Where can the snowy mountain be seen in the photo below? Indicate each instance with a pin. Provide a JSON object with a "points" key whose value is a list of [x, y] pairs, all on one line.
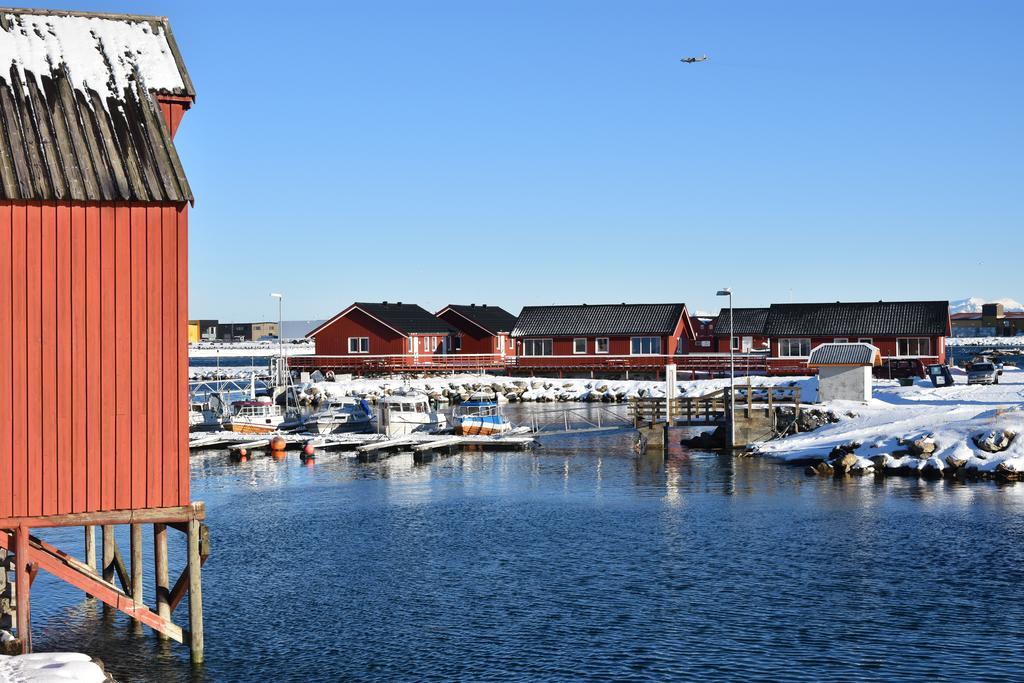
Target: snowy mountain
{"points": [[973, 305]]}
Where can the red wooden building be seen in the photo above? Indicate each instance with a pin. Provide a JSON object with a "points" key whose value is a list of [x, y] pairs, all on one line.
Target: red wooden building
{"points": [[386, 337], [483, 331], [600, 339], [747, 330], [901, 330], [93, 298]]}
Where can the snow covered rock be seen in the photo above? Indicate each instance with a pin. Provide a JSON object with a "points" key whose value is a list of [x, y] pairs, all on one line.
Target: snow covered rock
{"points": [[994, 440]]}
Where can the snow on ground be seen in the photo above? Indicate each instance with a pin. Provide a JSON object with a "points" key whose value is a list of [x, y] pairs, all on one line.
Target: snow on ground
{"points": [[952, 416], [540, 388], [50, 667], [988, 342], [243, 349]]}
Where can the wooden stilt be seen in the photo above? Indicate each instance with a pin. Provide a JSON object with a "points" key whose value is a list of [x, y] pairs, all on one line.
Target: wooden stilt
{"points": [[195, 593], [90, 546], [108, 556], [136, 568], [23, 586], [163, 608]]}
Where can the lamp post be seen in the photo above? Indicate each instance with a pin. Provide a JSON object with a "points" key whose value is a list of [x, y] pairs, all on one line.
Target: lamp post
{"points": [[280, 336], [727, 291]]}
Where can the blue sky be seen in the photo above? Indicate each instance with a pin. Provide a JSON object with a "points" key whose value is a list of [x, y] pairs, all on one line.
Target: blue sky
{"points": [[527, 152]]}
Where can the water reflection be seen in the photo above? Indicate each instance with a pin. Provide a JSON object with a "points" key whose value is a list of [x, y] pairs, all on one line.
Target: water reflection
{"points": [[578, 559]]}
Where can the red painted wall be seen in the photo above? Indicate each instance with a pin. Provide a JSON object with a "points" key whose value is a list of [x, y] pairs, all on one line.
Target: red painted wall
{"points": [[332, 339], [476, 340], [93, 357], [722, 343]]}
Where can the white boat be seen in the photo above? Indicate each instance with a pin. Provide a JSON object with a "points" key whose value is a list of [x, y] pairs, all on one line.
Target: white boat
{"points": [[340, 416], [254, 416], [479, 418], [207, 415], [410, 414]]}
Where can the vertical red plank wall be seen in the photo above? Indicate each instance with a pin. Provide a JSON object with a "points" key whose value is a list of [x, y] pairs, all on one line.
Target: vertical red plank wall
{"points": [[93, 315]]}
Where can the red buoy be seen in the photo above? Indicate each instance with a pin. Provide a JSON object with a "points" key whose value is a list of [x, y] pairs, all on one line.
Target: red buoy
{"points": [[242, 452], [309, 450], [243, 458]]}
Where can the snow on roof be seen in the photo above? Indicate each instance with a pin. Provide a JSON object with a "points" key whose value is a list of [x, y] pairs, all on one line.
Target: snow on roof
{"points": [[102, 52]]}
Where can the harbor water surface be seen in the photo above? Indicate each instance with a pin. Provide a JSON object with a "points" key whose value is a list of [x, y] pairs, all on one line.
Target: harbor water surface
{"points": [[578, 560]]}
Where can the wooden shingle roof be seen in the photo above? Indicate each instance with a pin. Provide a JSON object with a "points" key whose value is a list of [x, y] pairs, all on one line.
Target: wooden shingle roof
{"points": [[876, 318], [598, 319], [79, 118]]}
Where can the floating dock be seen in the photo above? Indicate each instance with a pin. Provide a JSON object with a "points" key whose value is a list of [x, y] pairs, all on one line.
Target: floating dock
{"points": [[363, 445]]}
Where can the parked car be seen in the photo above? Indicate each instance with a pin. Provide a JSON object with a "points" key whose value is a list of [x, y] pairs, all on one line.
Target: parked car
{"points": [[900, 368], [984, 372]]}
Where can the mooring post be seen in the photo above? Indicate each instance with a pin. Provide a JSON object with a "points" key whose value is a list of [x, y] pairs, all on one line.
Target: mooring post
{"points": [[23, 586], [136, 568], [195, 593], [90, 547], [163, 589]]}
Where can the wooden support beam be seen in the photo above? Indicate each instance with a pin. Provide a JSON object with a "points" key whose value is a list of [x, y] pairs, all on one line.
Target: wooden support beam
{"points": [[183, 513], [108, 553], [122, 570], [163, 605], [23, 586], [136, 566], [195, 592], [73, 573], [181, 585], [90, 546]]}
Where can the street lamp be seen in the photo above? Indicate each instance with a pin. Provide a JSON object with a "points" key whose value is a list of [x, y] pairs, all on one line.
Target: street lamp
{"points": [[727, 291], [280, 335]]}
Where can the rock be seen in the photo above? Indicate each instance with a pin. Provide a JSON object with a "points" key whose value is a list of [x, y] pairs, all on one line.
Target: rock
{"points": [[843, 464], [955, 463], [994, 441], [824, 469], [810, 471], [923, 446], [843, 449]]}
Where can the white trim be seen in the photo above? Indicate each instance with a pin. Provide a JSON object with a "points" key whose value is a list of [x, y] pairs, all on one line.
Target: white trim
{"points": [[919, 354], [641, 353], [358, 350], [549, 340], [585, 344], [607, 345], [778, 345]]}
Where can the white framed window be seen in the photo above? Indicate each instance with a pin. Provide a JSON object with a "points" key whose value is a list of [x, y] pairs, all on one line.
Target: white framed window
{"points": [[358, 344], [601, 345], [913, 346], [537, 347], [735, 343], [501, 343], [579, 345], [412, 344], [645, 346], [866, 340], [794, 347], [841, 340]]}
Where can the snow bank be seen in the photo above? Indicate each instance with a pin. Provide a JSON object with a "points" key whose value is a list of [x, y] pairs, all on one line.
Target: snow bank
{"points": [[51, 667], [923, 428], [460, 387]]}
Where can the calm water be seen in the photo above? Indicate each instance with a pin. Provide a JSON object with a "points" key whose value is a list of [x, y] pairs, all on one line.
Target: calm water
{"points": [[579, 560]]}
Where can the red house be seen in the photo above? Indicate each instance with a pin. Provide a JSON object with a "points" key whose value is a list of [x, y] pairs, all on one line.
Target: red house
{"points": [[483, 331], [93, 302], [747, 330], [380, 337], [607, 339], [901, 330]]}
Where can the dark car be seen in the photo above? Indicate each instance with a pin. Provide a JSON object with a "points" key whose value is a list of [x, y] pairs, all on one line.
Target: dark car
{"points": [[900, 368]]}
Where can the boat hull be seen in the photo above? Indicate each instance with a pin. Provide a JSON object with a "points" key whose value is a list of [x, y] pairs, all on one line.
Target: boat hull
{"points": [[242, 428], [488, 425]]}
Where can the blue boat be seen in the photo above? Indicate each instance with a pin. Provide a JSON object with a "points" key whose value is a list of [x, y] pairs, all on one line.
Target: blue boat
{"points": [[483, 418]]}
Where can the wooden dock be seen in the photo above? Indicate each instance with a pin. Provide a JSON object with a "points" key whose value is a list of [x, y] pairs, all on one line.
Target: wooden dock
{"points": [[362, 445]]}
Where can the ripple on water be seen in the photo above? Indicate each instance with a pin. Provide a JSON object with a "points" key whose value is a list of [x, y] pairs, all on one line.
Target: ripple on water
{"points": [[579, 560]]}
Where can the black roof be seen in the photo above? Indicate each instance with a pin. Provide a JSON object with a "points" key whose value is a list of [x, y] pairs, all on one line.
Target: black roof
{"points": [[407, 318], [746, 321], [599, 319], [493, 319], [89, 143], [877, 318], [843, 354]]}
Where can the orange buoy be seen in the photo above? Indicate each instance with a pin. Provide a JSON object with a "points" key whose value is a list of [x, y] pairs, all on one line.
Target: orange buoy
{"points": [[243, 458], [309, 461], [309, 450], [278, 443], [242, 452]]}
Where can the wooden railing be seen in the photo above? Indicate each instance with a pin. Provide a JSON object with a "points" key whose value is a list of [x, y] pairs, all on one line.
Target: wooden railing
{"points": [[713, 408]]}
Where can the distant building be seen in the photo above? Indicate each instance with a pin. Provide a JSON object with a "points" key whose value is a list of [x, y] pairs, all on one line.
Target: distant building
{"points": [[265, 330], [912, 330], [202, 330], [991, 321], [381, 337], [602, 338], [482, 330], [747, 329]]}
